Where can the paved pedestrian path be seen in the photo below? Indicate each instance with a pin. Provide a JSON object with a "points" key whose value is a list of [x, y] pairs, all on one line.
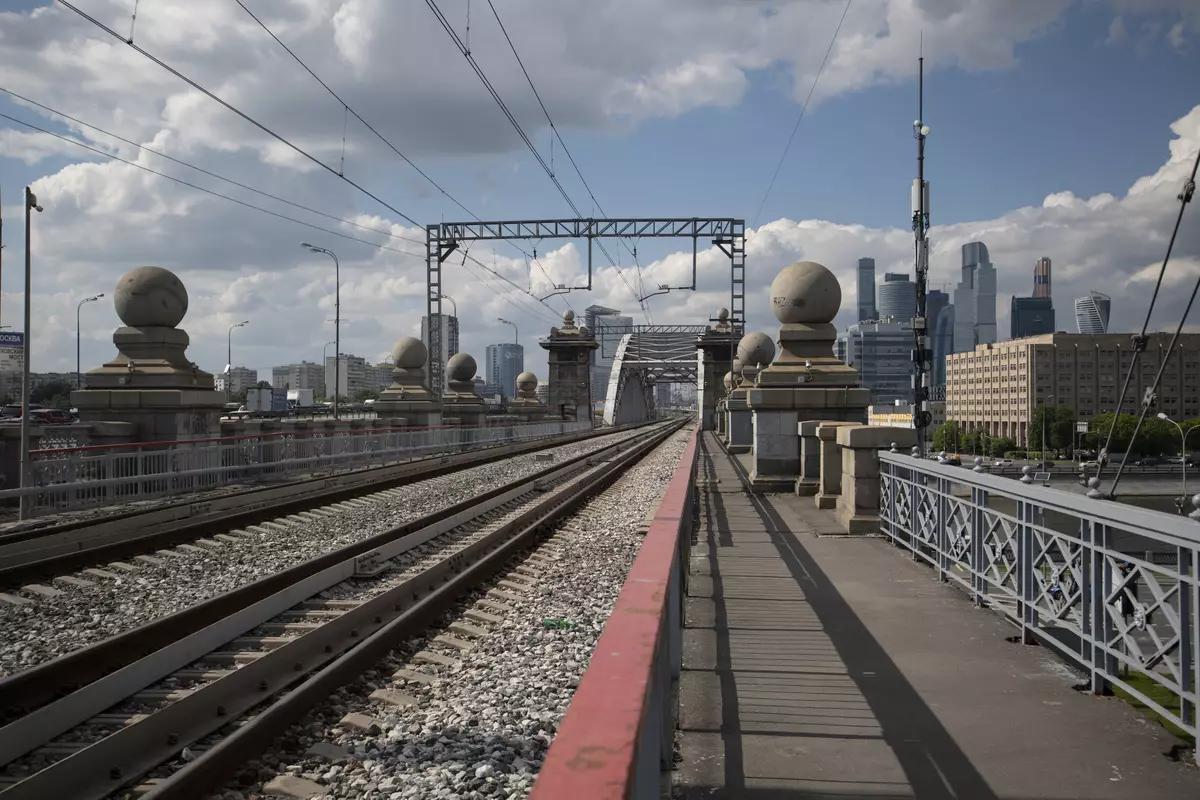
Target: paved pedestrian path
{"points": [[819, 666]]}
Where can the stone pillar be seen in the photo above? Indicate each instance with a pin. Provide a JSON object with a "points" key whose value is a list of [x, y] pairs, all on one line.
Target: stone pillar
{"points": [[829, 486], [741, 420], [408, 400], [808, 483], [459, 401], [569, 363], [151, 383], [805, 380], [525, 407], [714, 354], [858, 503]]}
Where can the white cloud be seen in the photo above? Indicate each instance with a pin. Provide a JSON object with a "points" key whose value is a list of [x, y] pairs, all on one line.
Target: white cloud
{"points": [[598, 65]]}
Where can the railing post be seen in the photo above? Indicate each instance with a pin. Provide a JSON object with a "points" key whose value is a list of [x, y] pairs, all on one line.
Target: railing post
{"points": [[1189, 601], [1025, 560], [979, 503], [1102, 663]]}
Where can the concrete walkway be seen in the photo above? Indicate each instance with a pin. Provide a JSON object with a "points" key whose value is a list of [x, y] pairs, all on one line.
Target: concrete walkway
{"points": [[820, 666]]}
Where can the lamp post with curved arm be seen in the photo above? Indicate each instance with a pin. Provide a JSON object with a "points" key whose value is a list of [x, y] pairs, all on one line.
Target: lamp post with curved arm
{"points": [[1181, 501], [229, 355], [78, 308], [337, 319]]}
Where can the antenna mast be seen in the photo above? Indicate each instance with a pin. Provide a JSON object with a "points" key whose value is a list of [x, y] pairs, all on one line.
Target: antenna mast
{"points": [[921, 354]]}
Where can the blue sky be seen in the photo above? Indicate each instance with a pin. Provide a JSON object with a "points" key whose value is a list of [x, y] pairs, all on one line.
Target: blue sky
{"points": [[1073, 113]]}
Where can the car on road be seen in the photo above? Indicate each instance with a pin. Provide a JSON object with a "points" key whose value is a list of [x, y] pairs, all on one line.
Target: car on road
{"points": [[1003, 462]]}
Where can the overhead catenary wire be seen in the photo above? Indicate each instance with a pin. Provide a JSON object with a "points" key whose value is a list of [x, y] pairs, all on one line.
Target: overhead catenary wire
{"points": [[462, 48], [1184, 197], [189, 184], [800, 118], [349, 110], [204, 171], [211, 95]]}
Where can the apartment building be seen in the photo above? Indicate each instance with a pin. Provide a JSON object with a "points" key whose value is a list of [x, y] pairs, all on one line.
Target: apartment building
{"points": [[997, 386]]}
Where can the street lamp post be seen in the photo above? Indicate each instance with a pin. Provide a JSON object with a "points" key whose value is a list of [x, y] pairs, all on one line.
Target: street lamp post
{"points": [[337, 319], [1044, 407], [453, 305], [1182, 500], [31, 205], [229, 355], [324, 360], [78, 334], [516, 341]]}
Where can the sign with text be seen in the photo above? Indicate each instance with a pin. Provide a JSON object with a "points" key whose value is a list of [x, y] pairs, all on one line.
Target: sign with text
{"points": [[12, 351]]}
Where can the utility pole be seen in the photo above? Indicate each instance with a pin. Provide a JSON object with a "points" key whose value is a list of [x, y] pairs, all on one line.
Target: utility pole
{"points": [[921, 354], [31, 205]]}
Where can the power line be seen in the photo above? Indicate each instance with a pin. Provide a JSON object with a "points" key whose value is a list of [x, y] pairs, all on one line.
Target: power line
{"points": [[803, 108], [237, 111], [204, 171], [127, 162], [350, 110]]}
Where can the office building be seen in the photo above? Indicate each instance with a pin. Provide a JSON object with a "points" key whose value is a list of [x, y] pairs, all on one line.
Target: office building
{"points": [[449, 338], [996, 387], [935, 301], [1030, 316], [305, 375], [975, 299], [866, 290], [1092, 312], [381, 375], [241, 379], [882, 354], [897, 298], [504, 362], [942, 344], [1041, 278], [608, 326], [353, 374]]}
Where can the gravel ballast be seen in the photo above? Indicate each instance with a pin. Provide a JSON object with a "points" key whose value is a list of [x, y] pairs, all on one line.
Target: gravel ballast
{"points": [[481, 725], [119, 600]]}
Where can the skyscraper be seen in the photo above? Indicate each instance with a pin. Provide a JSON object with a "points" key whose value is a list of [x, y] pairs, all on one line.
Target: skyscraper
{"points": [[866, 289], [943, 344], [935, 301], [975, 299], [504, 362], [608, 326], [897, 297], [1031, 316], [1041, 278], [1091, 312]]}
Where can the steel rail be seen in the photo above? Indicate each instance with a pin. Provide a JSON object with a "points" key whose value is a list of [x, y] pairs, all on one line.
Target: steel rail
{"points": [[73, 546], [23, 692], [218, 764], [104, 766]]}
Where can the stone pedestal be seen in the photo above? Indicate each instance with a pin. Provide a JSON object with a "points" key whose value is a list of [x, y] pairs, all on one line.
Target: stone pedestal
{"points": [[741, 423], [459, 401], [151, 383], [809, 481], [408, 398], [525, 407], [858, 503], [829, 485], [805, 381], [569, 359], [722, 417], [714, 360]]}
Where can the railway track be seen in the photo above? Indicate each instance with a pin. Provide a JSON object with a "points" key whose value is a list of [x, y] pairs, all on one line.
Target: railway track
{"points": [[278, 647], [39, 553]]}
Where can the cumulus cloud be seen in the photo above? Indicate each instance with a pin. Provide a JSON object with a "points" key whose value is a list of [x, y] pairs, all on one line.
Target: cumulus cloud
{"points": [[599, 66]]}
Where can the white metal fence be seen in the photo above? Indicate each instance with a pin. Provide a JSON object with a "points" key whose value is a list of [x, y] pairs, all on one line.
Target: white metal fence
{"points": [[1113, 588], [72, 478]]}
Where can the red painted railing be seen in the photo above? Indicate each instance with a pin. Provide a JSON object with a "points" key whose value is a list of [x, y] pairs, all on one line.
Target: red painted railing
{"points": [[617, 735]]}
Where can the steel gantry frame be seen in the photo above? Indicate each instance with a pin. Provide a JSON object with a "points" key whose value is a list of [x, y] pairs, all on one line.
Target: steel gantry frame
{"points": [[442, 239]]}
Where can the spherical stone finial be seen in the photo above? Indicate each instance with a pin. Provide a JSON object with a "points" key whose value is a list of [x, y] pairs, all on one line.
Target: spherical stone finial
{"points": [[410, 353], [737, 367], [527, 382], [723, 315], [568, 317], [805, 292], [461, 367], [728, 380], [150, 297], [756, 349]]}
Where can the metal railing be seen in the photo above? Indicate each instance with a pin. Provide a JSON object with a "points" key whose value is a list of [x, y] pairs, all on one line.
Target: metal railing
{"points": [[1113, 588], [72, 478], [618, 734]]}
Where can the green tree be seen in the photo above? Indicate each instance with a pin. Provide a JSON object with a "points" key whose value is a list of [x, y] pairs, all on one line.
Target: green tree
{"points": [[1059, 425], [264, 385], [237, 397], [945, 437], [366, 394], [55, 394], [1002, 444]]}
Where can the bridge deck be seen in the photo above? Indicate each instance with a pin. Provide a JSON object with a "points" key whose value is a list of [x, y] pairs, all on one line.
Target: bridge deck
{"points": [[823, 667]]}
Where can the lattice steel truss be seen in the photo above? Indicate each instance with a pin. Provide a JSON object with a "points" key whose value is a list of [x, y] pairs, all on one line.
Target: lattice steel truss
{"points": [[648, 356], [443, 238]]}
